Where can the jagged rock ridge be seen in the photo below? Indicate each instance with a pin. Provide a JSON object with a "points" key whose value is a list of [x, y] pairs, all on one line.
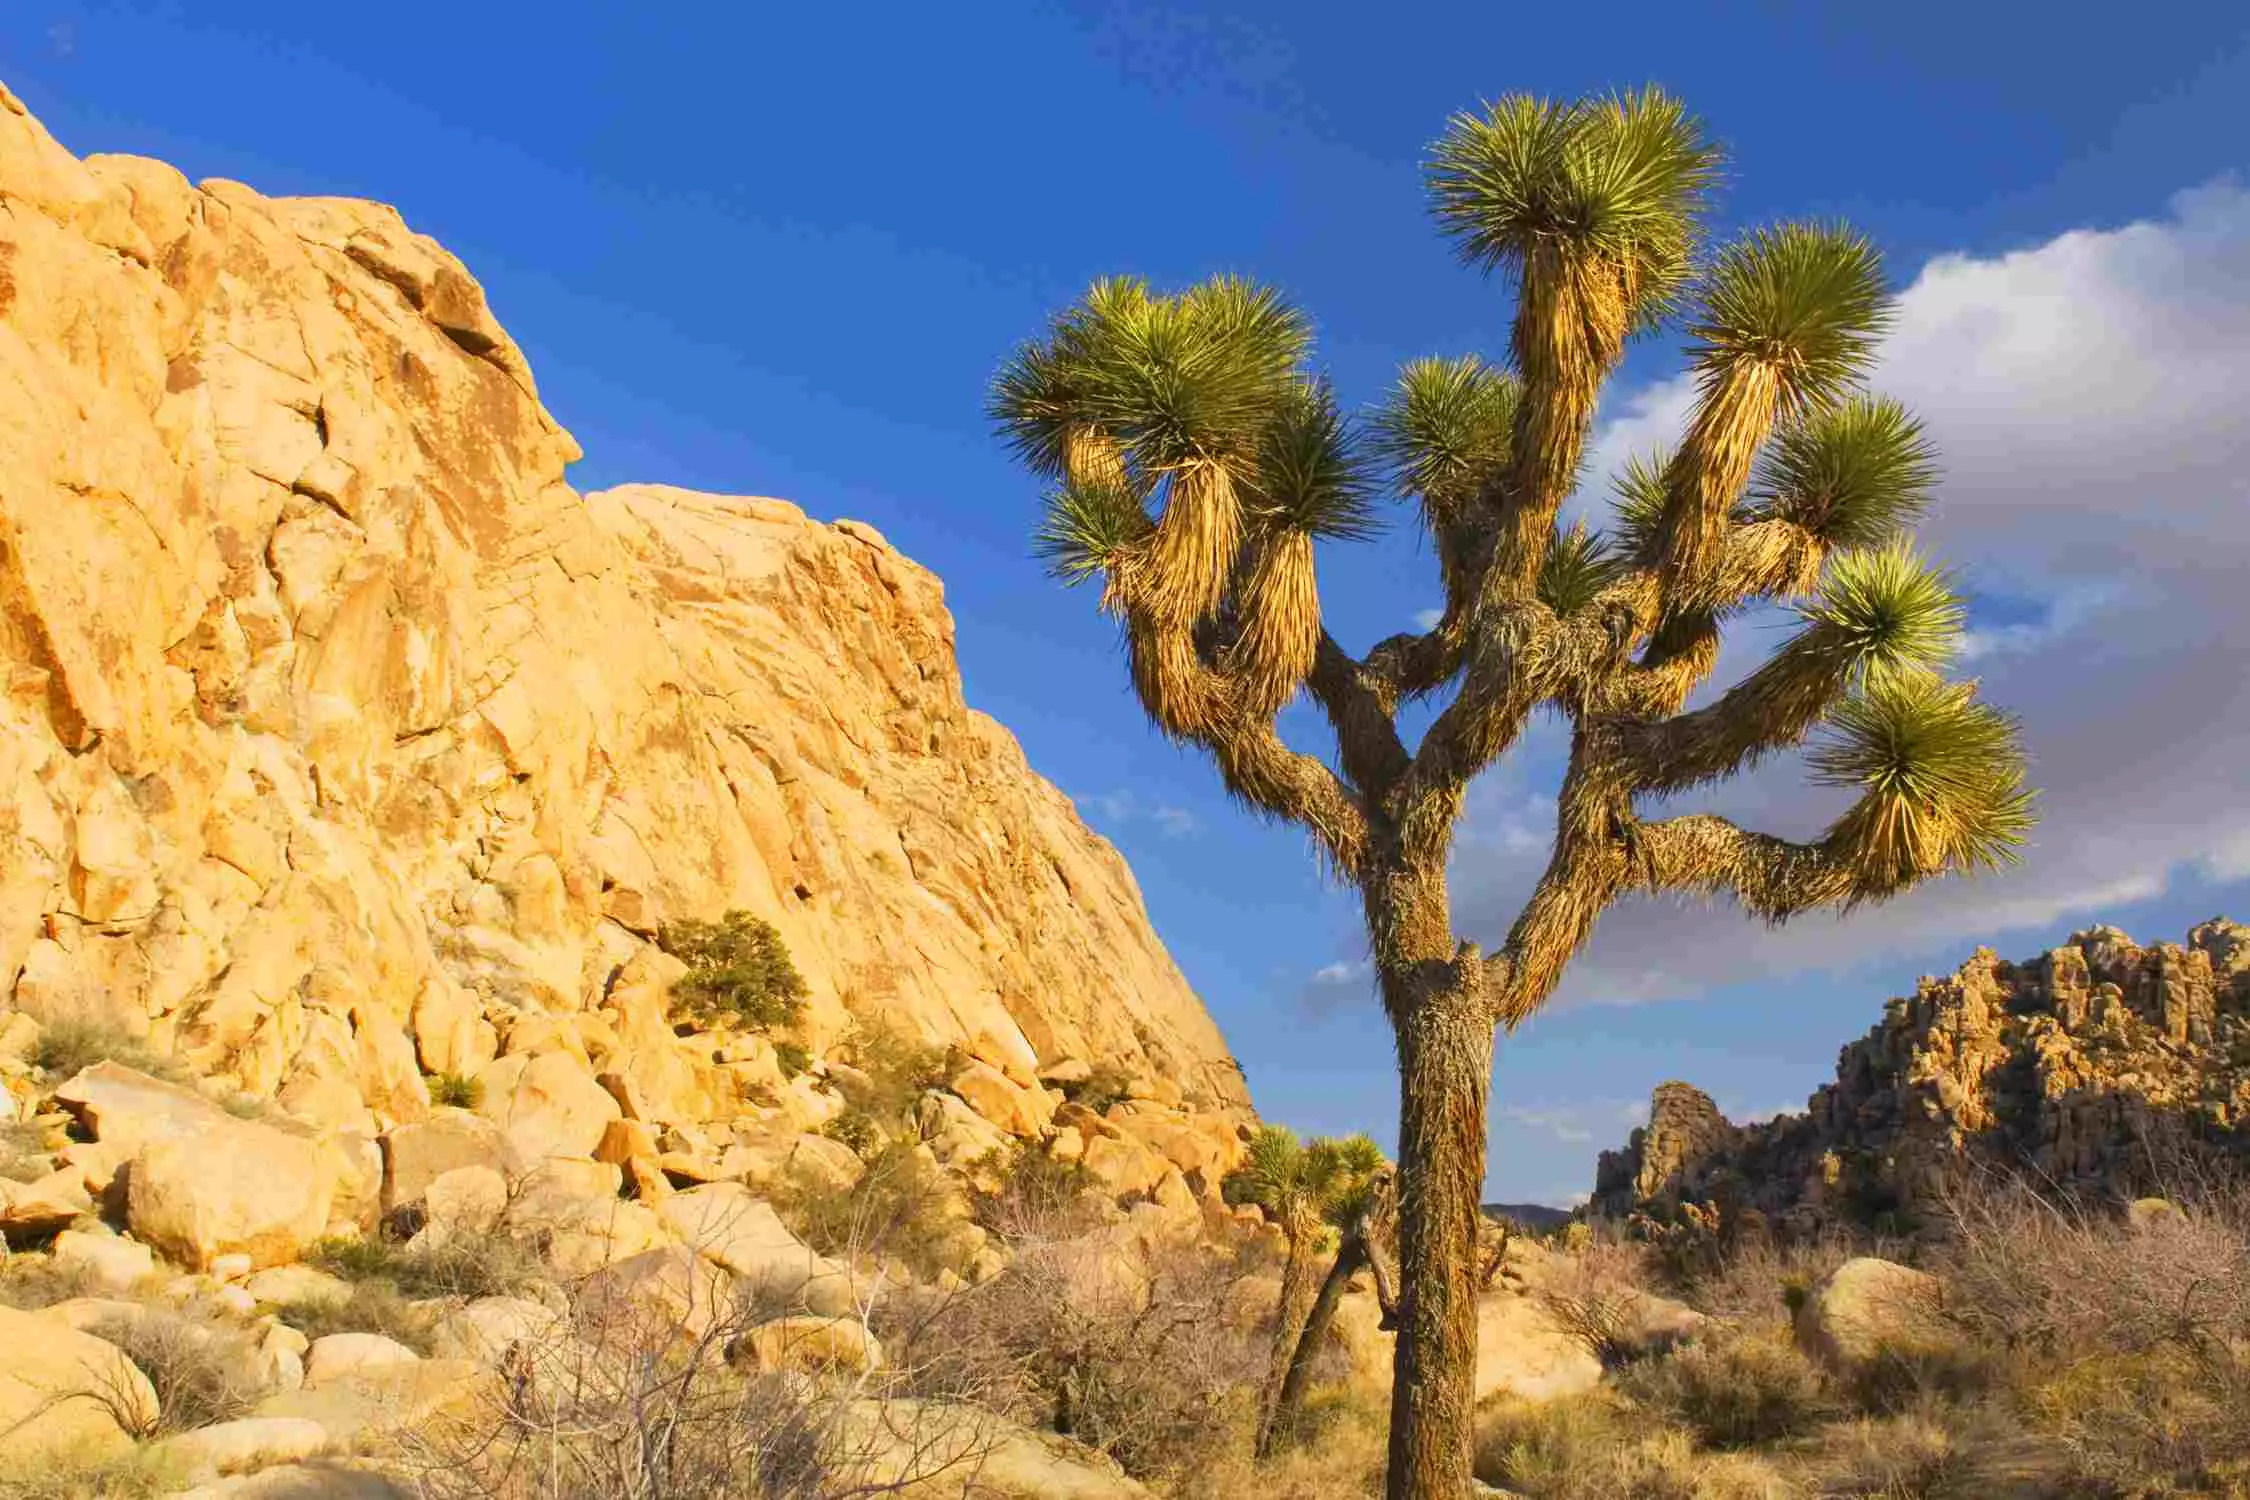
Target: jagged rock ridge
{"points": [[2101, 1068], [339, 734]]}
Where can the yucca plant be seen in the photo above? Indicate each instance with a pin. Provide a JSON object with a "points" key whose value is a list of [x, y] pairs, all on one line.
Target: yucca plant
{"points": [[1196, 457]]}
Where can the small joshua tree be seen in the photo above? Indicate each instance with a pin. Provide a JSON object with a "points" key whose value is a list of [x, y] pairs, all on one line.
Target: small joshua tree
{"points": [[1302, 1184], [1196, 457]]}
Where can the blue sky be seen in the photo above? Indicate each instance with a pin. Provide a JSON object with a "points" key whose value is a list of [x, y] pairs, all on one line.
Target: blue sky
{"points": [[778, 250]]}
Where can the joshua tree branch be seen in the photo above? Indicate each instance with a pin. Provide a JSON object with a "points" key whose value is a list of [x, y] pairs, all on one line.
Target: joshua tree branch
{"points": [[1193, 702], [1773, 878], [1360, 710]]}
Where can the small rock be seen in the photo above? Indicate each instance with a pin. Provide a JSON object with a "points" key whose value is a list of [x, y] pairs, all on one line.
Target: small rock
{"points": [[807, 1345], [108, 1261], [342, 1354]]}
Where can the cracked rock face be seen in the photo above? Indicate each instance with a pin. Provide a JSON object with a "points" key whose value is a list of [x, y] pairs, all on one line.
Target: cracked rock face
{"points": [[339, 733], [2102, 1068]]}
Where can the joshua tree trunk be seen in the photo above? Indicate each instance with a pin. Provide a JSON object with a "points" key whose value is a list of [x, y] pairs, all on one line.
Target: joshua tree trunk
{"points": [[1351, 1254], [1288, 1328], [1445, 1076]]}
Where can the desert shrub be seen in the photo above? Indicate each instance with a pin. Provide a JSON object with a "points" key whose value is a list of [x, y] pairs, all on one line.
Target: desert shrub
{"points": [[738, 972], [893, 1071], [74, 1039], [457, 1090], [2155, 1422], [199, 1366], [857, 1129], [1107, 1084], [1761, 1282], [903, 1208], [1336, 1451], [31, 1282], [1134, 1352], [792, 1057], [1591, 1447], [1734, 1390], [372, 1307], [1596, 1297], [133, 1474], [1036, 1193], [462, 1265], [2126, 1345]]}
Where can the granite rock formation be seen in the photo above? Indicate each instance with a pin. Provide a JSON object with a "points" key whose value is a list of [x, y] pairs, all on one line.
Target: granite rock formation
{"points": [[2103, 1069], [342, 740]]}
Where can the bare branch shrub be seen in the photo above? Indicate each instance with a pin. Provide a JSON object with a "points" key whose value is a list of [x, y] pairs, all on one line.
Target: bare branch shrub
{"points": [[1134, 1350], [200, 1366], [716, 1400]]}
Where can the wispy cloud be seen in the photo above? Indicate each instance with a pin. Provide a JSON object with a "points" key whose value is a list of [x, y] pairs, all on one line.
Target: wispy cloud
{"points": [[1119, 809]]}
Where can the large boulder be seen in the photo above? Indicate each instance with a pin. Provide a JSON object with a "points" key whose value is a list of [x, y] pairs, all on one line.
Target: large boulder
{"points": [[63, 1391], [658, 1294], [1523, 1352], [1022, 1111], [230, 1187], [1869, 1309], [924, 1448], [339, 1356], [383, 1399], [125, 1108], [547, 1104], [416, 1155], [724, 1223]]}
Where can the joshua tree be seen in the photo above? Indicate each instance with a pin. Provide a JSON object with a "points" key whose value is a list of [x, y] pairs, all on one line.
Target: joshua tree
{"points": [[1302, 1185], [1196, 457], [1360, 1212]]}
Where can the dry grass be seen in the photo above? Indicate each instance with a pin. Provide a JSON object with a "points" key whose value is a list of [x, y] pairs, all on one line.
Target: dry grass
{"points": [[372, 1307], [462, 1265], [72, 1040], [1597, 1447], [31, 1282], [134, 1474]]}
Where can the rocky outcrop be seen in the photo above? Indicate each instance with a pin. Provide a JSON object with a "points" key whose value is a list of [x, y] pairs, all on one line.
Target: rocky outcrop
{"points": [[2102, 1068], [342, 741]]}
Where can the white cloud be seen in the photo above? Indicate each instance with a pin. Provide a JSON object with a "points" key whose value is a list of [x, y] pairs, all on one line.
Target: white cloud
{"points": [[2088, 398], [1175, 822], [1426, 619]]}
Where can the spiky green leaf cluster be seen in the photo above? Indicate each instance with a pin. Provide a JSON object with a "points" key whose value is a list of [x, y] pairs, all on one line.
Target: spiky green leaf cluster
{"points": [[1578, 566], [1299, 1181], [1444, 427], [1310, 475], [1618, 179], [1086, 527], [1941, 778], [1805, 300], [1172, 379], [1854, 475], [1887, 610], [1638, 498]]}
